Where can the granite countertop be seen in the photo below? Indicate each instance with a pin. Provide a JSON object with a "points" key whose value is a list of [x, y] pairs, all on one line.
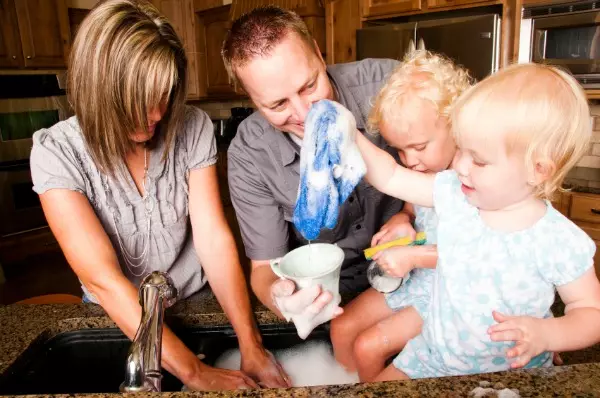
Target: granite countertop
{"points": [[20, 325]]}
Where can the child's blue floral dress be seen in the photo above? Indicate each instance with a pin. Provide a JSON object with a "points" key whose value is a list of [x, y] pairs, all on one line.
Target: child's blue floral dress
{"points": [[480, 270]]}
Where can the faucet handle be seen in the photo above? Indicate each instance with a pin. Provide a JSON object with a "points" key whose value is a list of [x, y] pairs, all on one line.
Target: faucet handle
{"points": [[164, 283]]}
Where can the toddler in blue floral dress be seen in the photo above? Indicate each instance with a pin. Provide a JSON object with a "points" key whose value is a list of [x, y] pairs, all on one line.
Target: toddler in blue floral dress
{"points": [[503, 250]]}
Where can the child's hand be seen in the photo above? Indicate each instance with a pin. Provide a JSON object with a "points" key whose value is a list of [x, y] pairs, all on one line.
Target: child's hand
{"points": [[397, 227], [400, 260], [527, 332]]}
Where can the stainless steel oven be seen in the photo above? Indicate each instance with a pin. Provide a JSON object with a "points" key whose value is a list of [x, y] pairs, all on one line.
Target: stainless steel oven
{"points": [[20, 209], [472, 41], [27, 103], [567, 35]]}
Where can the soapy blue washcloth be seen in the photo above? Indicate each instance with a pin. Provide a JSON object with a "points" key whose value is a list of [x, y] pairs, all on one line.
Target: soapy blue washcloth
{"points": [[330, 167]]}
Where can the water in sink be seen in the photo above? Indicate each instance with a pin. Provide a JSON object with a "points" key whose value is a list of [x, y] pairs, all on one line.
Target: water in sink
{"points": [[307, 364], [93, 360]]}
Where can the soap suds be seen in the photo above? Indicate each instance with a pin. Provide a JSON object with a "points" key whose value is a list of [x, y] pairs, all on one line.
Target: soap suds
{"points": [[497, 390], [307, 364]]}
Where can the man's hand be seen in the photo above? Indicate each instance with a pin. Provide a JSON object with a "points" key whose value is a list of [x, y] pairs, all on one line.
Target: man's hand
{"points": [[303, 307], [397, 227], [527, 332]]}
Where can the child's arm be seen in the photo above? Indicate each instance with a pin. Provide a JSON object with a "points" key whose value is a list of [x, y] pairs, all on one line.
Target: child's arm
{"points": [[579, 328], [392, 179]]}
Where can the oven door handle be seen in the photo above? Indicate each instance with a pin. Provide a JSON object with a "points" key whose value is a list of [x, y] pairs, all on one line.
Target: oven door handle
{"points": [[539, 44], [13, 166]]}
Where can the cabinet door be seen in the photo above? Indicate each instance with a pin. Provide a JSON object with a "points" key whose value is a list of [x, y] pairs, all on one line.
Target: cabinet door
{"points": [[11, 54], [562, 202], [342, 20], [382, 7], [180, 14], [215, 24], [44, 29], [593, 231]]}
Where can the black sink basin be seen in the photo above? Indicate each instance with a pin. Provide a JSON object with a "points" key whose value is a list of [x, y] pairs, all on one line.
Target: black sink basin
{"points": [[93, 360]]}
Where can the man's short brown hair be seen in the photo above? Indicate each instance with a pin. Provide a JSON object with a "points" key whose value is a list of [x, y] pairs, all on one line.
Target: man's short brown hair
{"points": [[256, 33]]}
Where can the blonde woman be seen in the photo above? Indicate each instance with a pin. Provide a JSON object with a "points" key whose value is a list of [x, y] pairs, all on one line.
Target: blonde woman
{"points": [[129, 186]]}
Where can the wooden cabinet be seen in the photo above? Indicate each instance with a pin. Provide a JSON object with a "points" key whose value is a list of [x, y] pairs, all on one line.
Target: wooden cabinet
{"points": [[212, 29], [180, 14], [450, 3], [11, 54], [35, 33], [584, 210], [382, 7]]}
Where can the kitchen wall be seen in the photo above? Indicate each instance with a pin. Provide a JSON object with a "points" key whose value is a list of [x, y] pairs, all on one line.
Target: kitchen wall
{"points": [[593, 158], [587, 172]]}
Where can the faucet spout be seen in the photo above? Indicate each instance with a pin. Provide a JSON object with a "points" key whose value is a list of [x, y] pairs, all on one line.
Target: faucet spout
{"points": [[142, 369]]}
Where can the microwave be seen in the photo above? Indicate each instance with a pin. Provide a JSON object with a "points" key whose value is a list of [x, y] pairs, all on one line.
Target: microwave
{"points": [[566, 35]]}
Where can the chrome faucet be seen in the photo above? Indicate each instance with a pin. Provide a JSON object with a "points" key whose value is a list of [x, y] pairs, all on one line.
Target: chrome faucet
{"points": [[142, 368]]}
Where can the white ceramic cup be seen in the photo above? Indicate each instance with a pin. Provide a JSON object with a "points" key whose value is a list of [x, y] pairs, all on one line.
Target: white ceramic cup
{"points": [[314, 264]]}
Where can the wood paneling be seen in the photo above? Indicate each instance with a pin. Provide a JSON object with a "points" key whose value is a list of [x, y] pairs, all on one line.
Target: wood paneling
{"points": [[510, 32], [203, 5]]}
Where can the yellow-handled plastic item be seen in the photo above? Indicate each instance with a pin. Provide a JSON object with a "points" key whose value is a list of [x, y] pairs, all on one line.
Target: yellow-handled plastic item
{"points": [[420, 239]]}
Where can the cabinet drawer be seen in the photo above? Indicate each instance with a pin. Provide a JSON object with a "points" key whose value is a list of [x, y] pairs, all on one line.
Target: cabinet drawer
{"points": [[585, 208]]}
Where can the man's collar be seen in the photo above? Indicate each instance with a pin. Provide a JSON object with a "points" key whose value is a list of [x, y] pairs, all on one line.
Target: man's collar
{"points": [[345, 98]]}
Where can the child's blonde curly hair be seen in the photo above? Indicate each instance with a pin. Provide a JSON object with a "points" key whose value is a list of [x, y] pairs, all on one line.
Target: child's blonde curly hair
{"points": [[422, 74]]}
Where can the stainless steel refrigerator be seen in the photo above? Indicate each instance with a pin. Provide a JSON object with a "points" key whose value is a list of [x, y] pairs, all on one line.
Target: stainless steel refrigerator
{"points": [[472, 41]]}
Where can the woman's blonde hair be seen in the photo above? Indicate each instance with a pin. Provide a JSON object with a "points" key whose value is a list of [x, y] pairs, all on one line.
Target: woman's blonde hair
{"points": [[126, 60], [540, 110], [422, 74]]}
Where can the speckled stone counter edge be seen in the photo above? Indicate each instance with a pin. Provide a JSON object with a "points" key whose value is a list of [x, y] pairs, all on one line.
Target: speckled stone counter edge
{"points": [[20, 325]]}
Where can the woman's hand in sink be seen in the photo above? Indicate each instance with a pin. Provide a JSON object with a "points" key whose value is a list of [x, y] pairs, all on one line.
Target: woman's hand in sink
{"points": [[209, 378], [262, 366]]}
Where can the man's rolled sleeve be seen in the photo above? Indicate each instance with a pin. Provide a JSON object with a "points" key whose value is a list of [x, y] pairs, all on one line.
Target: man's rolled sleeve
{"points": [[261, 220]]}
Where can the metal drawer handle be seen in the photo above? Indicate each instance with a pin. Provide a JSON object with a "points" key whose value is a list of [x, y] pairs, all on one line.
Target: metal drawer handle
{"points": [[596, 211]]}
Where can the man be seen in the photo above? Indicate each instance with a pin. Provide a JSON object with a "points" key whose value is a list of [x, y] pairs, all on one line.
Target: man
{"points": [[270, 52]]}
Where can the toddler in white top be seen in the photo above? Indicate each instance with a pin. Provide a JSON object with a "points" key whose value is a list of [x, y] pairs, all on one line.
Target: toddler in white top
{"points": [[502, 248]]}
